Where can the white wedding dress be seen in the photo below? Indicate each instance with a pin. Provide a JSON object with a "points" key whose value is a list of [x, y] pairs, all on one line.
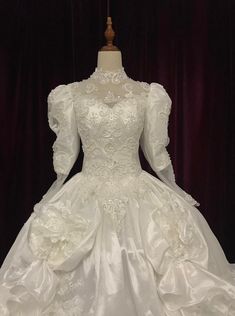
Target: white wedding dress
{"points": [[114, 240]]}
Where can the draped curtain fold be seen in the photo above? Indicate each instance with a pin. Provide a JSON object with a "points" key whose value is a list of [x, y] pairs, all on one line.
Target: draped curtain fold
{"points": [[187, 46]]}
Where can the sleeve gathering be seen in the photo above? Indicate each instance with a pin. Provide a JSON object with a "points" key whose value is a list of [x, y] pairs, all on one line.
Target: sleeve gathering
{"points": [[154, 138], [62, 121]]}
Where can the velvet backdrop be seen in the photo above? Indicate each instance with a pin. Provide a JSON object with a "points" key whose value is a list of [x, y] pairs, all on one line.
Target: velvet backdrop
{"points": [[188, 46]]}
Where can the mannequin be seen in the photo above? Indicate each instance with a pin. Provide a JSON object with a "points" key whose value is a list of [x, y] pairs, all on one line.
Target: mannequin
{"points": [[109, 56], [109, 60]]}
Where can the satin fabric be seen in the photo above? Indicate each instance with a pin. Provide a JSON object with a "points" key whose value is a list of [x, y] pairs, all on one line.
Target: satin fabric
{"points": [[114, 240], [163, 262]]}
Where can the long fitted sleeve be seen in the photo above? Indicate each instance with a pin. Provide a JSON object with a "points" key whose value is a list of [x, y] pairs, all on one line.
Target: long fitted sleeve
{"points": [[154, 138]]}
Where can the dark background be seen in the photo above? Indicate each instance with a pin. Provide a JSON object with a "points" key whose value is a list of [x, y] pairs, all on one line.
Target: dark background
{"points": [[187, 46]]}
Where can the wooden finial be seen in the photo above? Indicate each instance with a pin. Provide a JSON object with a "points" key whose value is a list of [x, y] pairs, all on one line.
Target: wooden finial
{"points": [[109, 35]]}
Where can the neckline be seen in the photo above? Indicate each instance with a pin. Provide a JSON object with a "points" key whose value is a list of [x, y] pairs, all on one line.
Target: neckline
{"points": [[109, 76]]}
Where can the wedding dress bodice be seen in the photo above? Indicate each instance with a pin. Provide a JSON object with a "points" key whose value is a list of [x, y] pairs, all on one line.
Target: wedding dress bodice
{"points": [[110, 113]]}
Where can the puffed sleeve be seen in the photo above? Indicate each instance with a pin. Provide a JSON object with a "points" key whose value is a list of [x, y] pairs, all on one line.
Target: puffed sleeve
{"points": [[62, 121], [154, 138]]}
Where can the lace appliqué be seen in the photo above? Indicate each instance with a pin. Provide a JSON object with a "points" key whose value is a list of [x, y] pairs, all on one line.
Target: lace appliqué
{"points": [[71, 299], [113, 149], [116, 209], [112, 194], [55, 232], [128, 89], [62, 121], [111, 98], [177, 227], [154, 138], [110, 141], [106, 76]]}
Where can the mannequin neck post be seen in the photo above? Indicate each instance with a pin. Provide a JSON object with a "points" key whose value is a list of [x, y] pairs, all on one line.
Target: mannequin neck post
{"points": [[109, 60]]}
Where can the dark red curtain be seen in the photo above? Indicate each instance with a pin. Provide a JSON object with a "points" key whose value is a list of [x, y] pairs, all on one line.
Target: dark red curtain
{"points": [[188, 46]]}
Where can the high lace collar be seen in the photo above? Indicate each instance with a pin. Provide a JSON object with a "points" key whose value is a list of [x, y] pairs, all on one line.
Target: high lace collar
{"points": [[106, 76]]}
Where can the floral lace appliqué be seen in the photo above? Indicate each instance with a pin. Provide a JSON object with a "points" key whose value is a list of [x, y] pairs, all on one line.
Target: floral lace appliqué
{"points": [[106, 76], [56, 232]]}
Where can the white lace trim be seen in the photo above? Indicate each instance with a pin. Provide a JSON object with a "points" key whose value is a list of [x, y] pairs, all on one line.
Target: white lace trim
{"points": [[107, 76]]}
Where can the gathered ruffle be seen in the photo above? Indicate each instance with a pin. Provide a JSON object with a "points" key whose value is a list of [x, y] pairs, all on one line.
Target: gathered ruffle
{"points": [[58, 232], [139, 219], [28, 284], [189, 288], [193, 275]]}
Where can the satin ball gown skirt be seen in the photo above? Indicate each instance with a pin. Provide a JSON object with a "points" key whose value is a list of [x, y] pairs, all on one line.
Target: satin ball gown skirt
{"points": [[143, 252]]}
